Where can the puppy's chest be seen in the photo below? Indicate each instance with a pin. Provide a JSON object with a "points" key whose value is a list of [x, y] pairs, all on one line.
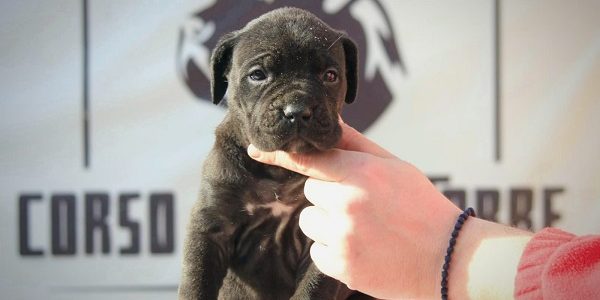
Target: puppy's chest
{"points": [[270, 231]]}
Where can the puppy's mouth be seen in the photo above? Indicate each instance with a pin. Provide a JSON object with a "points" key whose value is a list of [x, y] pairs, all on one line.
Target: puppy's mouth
{"points": [[298, 139]]}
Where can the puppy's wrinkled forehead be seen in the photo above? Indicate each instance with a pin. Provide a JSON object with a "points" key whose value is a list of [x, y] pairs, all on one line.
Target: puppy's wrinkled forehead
{"points": [[305, 38]]}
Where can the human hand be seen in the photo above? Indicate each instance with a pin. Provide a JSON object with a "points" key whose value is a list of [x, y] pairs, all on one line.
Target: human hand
{"points": [[378, 223]]}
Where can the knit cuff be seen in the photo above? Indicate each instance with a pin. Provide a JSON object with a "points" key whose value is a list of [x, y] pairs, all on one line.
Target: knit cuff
{"points": [[528, 282]]}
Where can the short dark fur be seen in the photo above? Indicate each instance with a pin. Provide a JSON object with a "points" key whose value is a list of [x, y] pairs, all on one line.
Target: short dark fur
{"points": [[237, 245]]}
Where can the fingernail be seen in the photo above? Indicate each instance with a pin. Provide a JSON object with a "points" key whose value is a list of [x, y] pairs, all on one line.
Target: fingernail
{"points": [[253, 151]]}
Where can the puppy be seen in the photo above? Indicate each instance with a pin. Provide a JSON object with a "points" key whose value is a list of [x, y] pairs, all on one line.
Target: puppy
{"points": [[287, 75]]}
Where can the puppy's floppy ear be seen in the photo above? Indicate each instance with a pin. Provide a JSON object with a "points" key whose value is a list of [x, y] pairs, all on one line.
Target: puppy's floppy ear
{"points": [[220, 63], [351, 54]]}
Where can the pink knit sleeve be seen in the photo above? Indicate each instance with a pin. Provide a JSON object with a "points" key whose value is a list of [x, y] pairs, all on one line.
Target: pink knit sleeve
{"points": [[559, 265]]}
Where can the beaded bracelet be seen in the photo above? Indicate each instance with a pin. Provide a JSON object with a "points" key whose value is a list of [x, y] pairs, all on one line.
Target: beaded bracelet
{"points": [[457, 226]]}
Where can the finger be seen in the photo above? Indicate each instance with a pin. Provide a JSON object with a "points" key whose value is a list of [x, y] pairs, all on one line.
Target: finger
{"points": [[352, 140], [314, 223], [326, 261], [327, 195], [330, 165]]}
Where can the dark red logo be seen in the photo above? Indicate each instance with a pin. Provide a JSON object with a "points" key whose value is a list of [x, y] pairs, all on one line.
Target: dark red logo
{"points": [[366, 22]]}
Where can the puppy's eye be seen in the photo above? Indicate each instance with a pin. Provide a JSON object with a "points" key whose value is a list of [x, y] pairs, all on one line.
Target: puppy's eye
{"points": [[330, 76], [257, 75]]}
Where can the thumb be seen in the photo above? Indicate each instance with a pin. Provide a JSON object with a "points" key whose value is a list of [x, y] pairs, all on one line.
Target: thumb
{"points": [[331, 165], [352, 140]]}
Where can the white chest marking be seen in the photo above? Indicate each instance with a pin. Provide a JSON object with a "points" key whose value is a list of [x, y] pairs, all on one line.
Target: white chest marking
{"points": [[278, 209]]}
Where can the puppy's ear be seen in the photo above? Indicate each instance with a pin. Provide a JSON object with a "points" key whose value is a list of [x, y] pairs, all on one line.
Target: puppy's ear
{"points": [[220, 63], [351, 54]]}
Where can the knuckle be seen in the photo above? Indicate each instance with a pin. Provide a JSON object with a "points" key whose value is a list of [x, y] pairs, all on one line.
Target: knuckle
{"points": [[301, 163], [372, 167]]}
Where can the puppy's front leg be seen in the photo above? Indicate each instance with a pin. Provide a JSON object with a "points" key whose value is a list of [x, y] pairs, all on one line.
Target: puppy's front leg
{"points": [[316, 285], [205, 262]]}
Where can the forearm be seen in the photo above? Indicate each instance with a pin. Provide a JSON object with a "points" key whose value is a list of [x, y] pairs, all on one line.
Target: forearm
{"points": [[485, 259]]}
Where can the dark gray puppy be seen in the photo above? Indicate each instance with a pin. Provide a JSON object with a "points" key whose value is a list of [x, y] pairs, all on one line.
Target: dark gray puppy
{"points": [[287, 75]]}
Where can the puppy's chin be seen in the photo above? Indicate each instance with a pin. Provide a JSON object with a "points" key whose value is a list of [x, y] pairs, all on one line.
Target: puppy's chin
{"points": [[294, 145], [300, 146]]}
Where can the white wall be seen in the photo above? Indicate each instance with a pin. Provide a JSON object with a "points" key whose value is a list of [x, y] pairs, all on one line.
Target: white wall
{"points": [[149, 134]]}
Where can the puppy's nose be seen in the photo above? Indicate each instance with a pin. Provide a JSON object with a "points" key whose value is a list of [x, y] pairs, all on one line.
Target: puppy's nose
{"points": [[297, 112]]}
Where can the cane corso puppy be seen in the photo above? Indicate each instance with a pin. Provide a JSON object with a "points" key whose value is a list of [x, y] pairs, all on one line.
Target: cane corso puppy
{"points": [[286, 75]]}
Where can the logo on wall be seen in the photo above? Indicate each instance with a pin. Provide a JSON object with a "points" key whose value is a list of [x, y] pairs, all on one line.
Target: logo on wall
{"points": [[366, 22]]}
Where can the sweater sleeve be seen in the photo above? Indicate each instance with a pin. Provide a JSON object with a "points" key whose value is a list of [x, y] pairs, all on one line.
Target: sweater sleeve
{"points": [[559, 265]]}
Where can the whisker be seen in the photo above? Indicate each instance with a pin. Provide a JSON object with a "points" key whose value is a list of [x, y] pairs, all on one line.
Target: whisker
{"points": [[339, 37]]}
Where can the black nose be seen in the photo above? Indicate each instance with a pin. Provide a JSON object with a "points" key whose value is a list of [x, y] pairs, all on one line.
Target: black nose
{"points": [[297, 112]]}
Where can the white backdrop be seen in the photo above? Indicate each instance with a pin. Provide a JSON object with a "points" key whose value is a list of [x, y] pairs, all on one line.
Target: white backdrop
{"points": [[66, 226]]}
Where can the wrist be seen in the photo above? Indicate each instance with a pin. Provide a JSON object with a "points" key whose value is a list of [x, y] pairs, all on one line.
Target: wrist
{"points": [[462, 218], [485, 260], [442, 221]]}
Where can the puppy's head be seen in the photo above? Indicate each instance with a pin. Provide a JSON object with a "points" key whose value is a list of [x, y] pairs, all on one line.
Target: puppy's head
{"points": [[286, 75]]}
